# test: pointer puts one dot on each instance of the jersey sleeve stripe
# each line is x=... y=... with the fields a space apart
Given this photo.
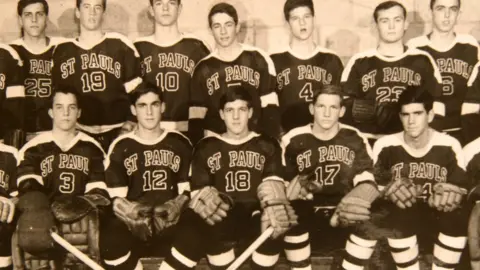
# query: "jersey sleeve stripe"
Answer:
x=442 y=139
x=183 y=186
x=172 y=125
x=9 y=149
x=436 y=71
x=269 y=99
x=474 y=75
x=380 y=144
x=471 y=150
x=266 y=57
x=12 y=52
x=94 y=185
x=362 y=177
x=273 y=178
x=439 y=108
x=14 y=193
x=351 y=63
x=197 y=112
x=130 y=85
x=364 y=138
x=15 y=91
x=120 y=192
x=36 y=177
x=470 y=108
x=125 y=40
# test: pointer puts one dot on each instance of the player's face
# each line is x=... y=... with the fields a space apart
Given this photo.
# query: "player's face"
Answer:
x=391 y=24
x=224 y=29
x=33 y=20
x=166 y=12
x=445 y=14
x=415 y=119
x=148 y=110
x=327 y=110
x=64 y=112
x=236 y=115
x=301 y=23
x=90 y=14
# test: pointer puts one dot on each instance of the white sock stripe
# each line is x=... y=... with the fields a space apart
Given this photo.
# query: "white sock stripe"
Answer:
x=406 y=256
x=181 y=258
x=295 y=239
x=5 y=261
x=446 y=255
x=165 y=266
x=458 y=242
x=403 y=242
x=350 y=266
x=265 y=260
x=415 y=266
x=118 y=261
x=436 y=267
x=298 y=255
x=222 y=259
x=357 y=251
x=139 y=266
x=308 y=267
x=362 y=242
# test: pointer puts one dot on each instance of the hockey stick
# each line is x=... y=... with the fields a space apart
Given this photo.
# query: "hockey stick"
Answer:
x=75 y=251
x=248 y=252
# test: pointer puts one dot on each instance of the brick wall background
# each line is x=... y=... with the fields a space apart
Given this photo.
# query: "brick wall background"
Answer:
x=345 y=26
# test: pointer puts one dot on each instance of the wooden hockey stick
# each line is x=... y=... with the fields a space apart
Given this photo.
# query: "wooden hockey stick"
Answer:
x=249 y=251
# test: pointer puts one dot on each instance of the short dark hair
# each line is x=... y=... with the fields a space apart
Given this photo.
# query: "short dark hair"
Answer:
x=388 y=5
x=22 y=4
x=235 y=93
x=223 y=8
x=432 y=3
x=151 y=2
x=329 y=89
x=416 y=94
x=104 y=2
x=143 y=89
x=293 y=4
x=65 y=90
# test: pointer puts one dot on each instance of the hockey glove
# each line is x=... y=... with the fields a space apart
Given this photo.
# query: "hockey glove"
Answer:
x=446 y=197
x=137 y=217
x=168 y=213
x=402 y=192
x=211 y=205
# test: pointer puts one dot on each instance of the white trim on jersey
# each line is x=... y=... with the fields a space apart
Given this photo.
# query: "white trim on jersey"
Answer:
x=98 y=129
x=362 y=136
x=164 y=43
x=474 y=74
x=120 y=192
x=5 y=261
x=9 y=149
x=36 y=177
x=13 y=53
x=183 y=186
x=132 y=84
x=316 y=51
x=175 y=125
x=94 y=185
x=459 y=38
x=470 y=108
x=53 y=41
x=470 y=150
x=271 y=67
x=231 y=141
x=273 y=178
x=196 y=112
x=439 y=108
x=362 y=177
x=15 y=91
x=269 y=99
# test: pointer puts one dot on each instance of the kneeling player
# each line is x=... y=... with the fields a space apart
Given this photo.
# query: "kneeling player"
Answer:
x=237 y=191
x=423 y=171
x=334 y=167
x=146 y=174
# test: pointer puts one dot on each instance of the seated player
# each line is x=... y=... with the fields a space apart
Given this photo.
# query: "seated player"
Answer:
x=63 y=166
x=237 y=190
x=424 y=174
x=147 y=175
x=334 y=167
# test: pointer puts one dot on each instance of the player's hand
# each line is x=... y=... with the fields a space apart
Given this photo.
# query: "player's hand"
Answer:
x=446 y=197
x=211 y=205
x=137 y=217
x=402 y=192
x=303 y=187
x=7 y=209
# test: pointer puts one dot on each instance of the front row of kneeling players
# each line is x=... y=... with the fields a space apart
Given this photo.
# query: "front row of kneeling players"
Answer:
x=238 y=185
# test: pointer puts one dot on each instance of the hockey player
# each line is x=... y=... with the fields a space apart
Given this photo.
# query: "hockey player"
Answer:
x=429 y=181
x=169 y=58
x=232 y=63
x=103 y=68
x=36 y=50
x=337 y=160
x=147 y=177
x=237 y=184
x=373 y=80
x=303 y=66
x=455 y=55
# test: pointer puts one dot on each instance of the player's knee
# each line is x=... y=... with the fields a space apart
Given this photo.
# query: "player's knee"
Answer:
x=404 y=250
x=221 y=260
x=297 y=247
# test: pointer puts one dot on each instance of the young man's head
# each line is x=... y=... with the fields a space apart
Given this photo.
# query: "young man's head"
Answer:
x=391 y=20
x=165 y=12
x=90 y=13
x=327 y=106
x=65 y=109
x=147 y=105
x=300 y=17
x=236 y=110
x=32 y=17
x=416 y=112
x=223 y=21
x=444 y=14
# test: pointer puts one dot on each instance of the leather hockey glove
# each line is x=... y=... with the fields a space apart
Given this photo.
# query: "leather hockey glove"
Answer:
x=7 y=210
x=137 y=217
x=211 y=205
x=402 y=192
x=302 y=187
x=446 y=197
x=168 y=213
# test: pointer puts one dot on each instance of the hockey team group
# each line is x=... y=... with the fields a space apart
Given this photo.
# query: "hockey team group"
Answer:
x=200 y=152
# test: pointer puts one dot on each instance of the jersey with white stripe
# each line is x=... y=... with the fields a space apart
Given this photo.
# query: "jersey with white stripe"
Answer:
x=381 y=79
x=236 y=167
x=455 y=63
x=472 y=163
x=338 y=164
x=103 y=74
x=170 y=67
x=138 y=168
x=74 y=169
x=8 y=169
x=297 y=79
x=440 y=161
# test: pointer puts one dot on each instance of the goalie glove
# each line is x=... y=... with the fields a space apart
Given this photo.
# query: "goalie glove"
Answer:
x=277 y=211
x=137 y=217
x=68 y=208
x=402 y=192
x=7 y=209
x=168 y=213
x=211 y=205
x=355 y=206
x=302 y=187
x=446 y=197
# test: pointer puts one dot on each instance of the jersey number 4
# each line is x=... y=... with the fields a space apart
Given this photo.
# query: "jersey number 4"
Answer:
x=237 y=181
x=306 y=92
x=154 y=180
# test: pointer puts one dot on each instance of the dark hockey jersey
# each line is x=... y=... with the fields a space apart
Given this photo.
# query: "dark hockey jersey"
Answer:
x=157 y=168
x=37 y=67
x=471 y=106
x=103 y=74
x=455 y=64
x=380 y=79
x=472 y=163
x=236 y=167
x=74 y=170
x=338 y=164
x=253 y=69
x=170 y=67
x=441 y=161
x=297 y=79
x=8 y=170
